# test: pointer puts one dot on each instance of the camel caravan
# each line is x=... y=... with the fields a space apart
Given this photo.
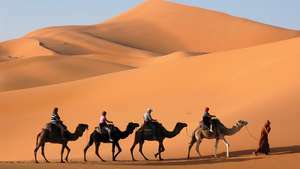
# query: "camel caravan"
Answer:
x=56 y=132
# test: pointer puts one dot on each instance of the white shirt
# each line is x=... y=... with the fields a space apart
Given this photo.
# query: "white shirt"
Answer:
x=147 y=117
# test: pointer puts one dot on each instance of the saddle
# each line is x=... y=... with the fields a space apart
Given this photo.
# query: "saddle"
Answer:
x=103 y=131
x=206 y=129
x=53 y=128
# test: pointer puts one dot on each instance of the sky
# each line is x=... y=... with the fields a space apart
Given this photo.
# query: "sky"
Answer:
x=18 y=17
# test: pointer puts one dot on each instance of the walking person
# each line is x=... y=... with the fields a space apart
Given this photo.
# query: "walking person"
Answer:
x=264 y=146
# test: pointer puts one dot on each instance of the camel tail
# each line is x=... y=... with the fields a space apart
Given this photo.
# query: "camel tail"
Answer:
x=193 y=137
x=37 y=138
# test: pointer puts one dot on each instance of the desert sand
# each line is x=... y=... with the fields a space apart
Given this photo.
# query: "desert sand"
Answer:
x=248 y=71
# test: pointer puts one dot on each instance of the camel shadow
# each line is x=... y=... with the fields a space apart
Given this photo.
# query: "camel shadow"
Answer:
x=236 y=156
x=274 y=151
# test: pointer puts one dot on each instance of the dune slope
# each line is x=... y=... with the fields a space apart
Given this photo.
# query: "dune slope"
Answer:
x=165 y=27
x=253 y=84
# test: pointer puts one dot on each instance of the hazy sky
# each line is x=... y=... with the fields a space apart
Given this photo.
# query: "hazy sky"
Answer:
x=18 y=17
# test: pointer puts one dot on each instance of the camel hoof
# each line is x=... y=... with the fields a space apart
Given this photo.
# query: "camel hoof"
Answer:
x=62 y=162
x=36 y=162
x=47 y=161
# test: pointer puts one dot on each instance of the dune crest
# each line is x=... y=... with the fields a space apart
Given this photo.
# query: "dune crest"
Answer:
x=23 y=48
x=175 y=27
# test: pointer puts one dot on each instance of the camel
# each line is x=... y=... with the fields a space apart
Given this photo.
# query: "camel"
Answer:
x=146 y=134
x=221 y=131
x=54 y=136
x=116 y=135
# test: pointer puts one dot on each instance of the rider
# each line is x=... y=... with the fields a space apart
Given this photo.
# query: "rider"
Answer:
x=104 y=124
x=149 y=121
x=55 y=119
x=207 y=119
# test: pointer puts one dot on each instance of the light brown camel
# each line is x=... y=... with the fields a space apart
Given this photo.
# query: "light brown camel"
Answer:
x=146 y=134
x=54 y=136
x=220 y=132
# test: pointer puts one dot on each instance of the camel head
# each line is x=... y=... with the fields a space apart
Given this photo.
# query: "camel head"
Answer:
x=241 y=123
x=181 y=125
x=131 y=126
x=81 y=129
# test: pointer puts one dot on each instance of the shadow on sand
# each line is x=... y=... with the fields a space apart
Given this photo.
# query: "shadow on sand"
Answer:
x=236 y=156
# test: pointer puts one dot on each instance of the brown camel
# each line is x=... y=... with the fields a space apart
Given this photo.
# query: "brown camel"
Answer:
x=146 y=134
x=54 y=136
x=220 y=132
x=116 y=135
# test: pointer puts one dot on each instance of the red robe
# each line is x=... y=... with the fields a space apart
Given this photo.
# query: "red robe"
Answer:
x=264 y=146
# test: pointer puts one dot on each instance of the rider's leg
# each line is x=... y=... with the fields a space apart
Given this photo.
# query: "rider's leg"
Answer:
x=154 y=131
x=109 y=133
x=62 y=130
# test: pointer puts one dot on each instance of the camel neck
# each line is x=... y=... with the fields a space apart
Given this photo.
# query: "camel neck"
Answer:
x=171 y=134
x=233 y=130
x=75 y=135
x=126 y=133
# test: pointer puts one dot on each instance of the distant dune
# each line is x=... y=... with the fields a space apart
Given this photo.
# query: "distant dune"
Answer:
x=22 y=48
x=165 y=27
x=174 y=58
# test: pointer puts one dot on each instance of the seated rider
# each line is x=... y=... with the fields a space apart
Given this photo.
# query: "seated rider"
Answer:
x=104 y=124
x=149 y=121
x=207 y=119
x=55 y=119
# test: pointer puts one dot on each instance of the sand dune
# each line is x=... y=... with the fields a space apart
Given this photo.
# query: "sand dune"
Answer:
x=254 y=84
x=71 y=56
x=134 y=39
x=46 y=70
x=165 y=27
x=25 y=47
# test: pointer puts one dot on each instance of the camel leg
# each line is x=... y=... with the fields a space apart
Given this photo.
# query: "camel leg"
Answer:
x=190 y=147
x=39 y=142
x=216 y=148
x=89 y=144
x=141 y=150
x=113 y=151
x=62 y=153
x=132 y=149
x=97 y=145
x=227 y=147
x=43 y=153
x=68 y=153
x=35 y=152
x=85 y=150
x=119 y=150
x=198 y=147
x=161 y=149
